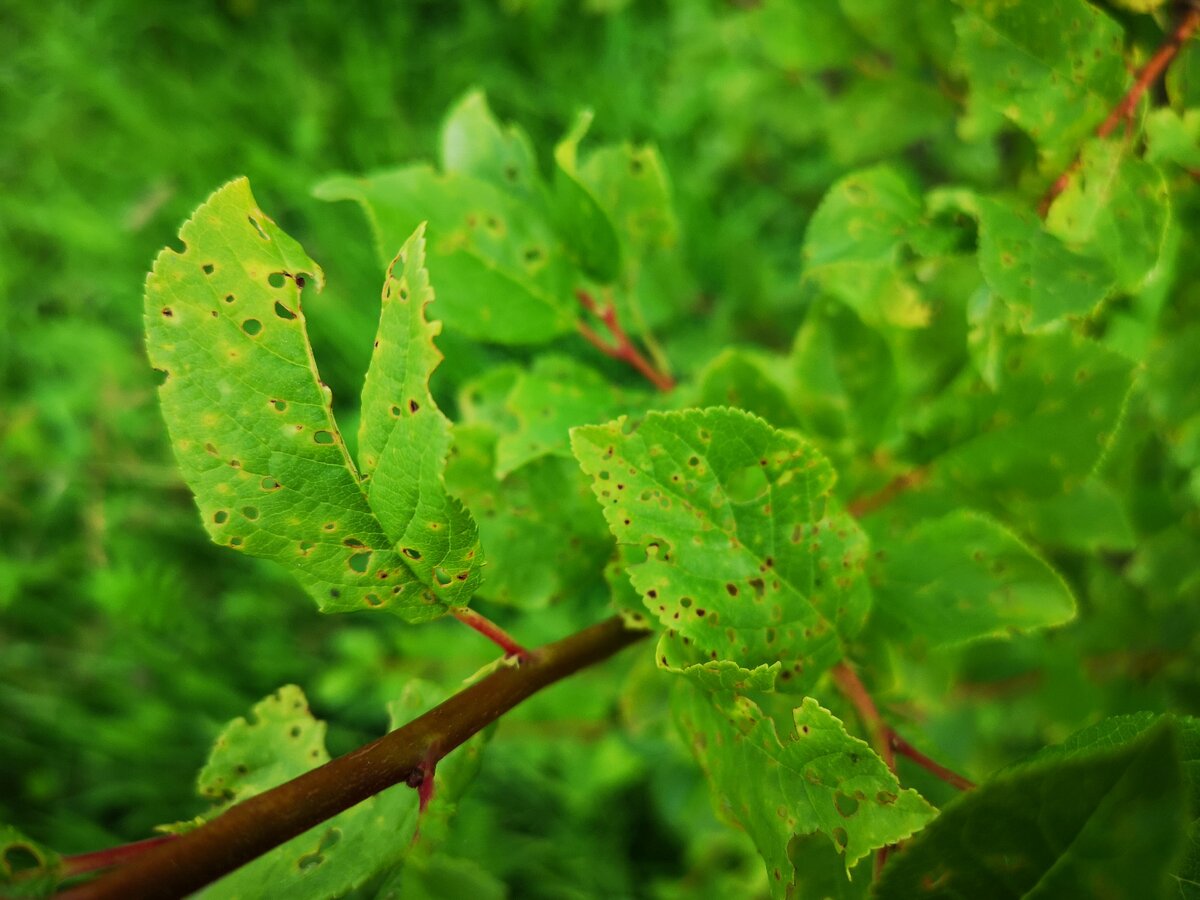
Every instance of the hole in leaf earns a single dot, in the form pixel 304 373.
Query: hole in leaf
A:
pixel 372 600
pixel 208 268
pixel 160 377
pixel 235 542
pixel 19 858
pixel 746 484
pixel 250 512
pixel 269 484
pixel 220 517
pixel 279 405
pixel 276 279
pixel 359 562
pixel 323 437
pixel 252 327
pixel 413 406
pixel 395 411
pixel 442 576
pixel 229 298
pixel 253 221
pixel 283 312
pixel 168 312
pixel 411 553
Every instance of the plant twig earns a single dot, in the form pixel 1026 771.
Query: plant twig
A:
pixel 491 631
pixel 904 748
pixel 885 740
pixel 862 506
pixel 855 691
pixel 1189 22
pixel 622 347
pixel 263 822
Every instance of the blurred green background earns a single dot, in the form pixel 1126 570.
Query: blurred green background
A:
pixel 127 639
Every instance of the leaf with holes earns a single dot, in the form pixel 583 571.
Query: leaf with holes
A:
pixel 732 542
pixel 814 778
pixel 280 741
pixel 1102 817
pixel 964 576
pixel 27 869
pixel 404 439
pixel 252 427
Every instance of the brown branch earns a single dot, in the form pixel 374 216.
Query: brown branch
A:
pixel 1189 22
pixel 862 506
pixel 250 829
pixel 622 347
pixel 491 631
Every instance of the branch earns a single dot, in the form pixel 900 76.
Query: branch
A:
pixel 622 347
pixel 862 506
pixel 1189 22
pixel 263 822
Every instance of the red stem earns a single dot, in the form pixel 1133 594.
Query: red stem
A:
pixel 491 631
pixel 1123 111
pixel 623 348
pixel 82 863
pixel 862 506
pixel 904 748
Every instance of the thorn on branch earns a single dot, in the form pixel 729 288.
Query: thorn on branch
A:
pixel 621 347
pixel 1123 112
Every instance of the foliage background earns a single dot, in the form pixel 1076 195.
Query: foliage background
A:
pixel 127 640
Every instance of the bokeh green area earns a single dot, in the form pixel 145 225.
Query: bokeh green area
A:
pixel 127 640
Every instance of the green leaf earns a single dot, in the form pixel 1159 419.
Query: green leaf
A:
pixel 744 379
pixel 581 220
pixel 404 439
pixel 1100 817
pixel 27 869
pixel 962 577
pixel 281 741
pixel 1033 269
pixel 853 246
pixel 474 143
pixel 1054 68
pixel 814 778
pixel 554 395
pixel 1173 137
pixel 249 417
pixel 497 261
pixel 730 539
pixel 546 538
pixel 1046 426
pixel 844 376
pixel 630 184
pixel 1115 208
